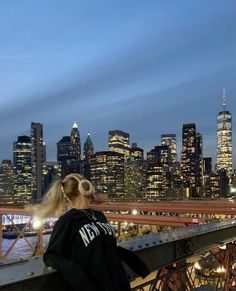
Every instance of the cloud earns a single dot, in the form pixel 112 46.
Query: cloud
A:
pixel 12 57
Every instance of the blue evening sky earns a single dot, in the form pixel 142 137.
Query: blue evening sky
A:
pixel 142 66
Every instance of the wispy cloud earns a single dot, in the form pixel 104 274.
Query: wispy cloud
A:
pixel 27 56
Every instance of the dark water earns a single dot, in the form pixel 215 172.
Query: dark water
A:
pixel 21 248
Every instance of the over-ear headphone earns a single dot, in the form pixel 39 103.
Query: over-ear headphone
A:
pixel 81 181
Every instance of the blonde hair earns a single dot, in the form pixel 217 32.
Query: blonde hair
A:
pixel 53 202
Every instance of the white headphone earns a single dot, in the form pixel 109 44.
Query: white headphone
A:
pixel 81 180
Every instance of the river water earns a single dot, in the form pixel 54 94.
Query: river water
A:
pixel 21 248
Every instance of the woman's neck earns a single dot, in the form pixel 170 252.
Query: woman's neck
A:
pixel 80 203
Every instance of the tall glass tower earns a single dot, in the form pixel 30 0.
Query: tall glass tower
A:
pixel 75 145
pixel 224 139
pixel 38 158
pixel 22 169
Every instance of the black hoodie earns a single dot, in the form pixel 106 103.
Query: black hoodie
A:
pixel 85 252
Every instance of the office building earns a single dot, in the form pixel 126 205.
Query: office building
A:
pixel 22 169
pixel 207 165
pixel 38 158
pixel 224 140
pixel 160 154
pixel 155 180
pixel 191 160
pixel 136 153
pixel 170 141
pixel 118 141
pixel 75 145
pixel 63 156
pixel 6 182
pixel 135 178
pixel 107 173
pixel 88 152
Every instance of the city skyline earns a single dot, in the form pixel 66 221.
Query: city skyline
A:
pixel 112 66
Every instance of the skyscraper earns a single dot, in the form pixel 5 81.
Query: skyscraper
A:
pixel 107 173
pixel 224 140
pixel 170 141
pixel 63 155
pixel 191 159
pixel 135 178
pixel 22 169
pixel 136 153
pixel 6 182
pixel 75 145
pixel 118 142
pixel 38 158
pixel 155 180
pixel 88 152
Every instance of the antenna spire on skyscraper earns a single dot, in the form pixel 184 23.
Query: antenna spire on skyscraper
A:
pixel 223 99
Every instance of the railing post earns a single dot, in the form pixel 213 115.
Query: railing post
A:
pixel 1 250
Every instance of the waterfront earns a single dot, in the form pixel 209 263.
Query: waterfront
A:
pixel 21 248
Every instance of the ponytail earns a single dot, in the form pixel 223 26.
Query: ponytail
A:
pixel 53 202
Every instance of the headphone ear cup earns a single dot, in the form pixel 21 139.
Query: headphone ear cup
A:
pixel 86 192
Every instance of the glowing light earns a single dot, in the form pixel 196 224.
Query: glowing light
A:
pixel 220 270
pixel 197 266
pixel 222 246
pixel 232 189
pixel 37 222
pixel 134 212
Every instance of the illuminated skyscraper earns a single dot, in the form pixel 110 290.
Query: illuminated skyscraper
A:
pixel 88 152
pixel 191 159
pixel 135 178
pixel 38 158
pixel 170 141
pixel 63 156
pixel 161 155
pixel 75 146
pixel 107 173
pixel 224 140
pixel 6 182
pixel 118 142
pixel 136 153
pixel 22 169
pixel 156 180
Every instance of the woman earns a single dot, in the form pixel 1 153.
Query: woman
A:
pixel 83 246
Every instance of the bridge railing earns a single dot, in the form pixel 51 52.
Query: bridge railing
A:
pixel 15 231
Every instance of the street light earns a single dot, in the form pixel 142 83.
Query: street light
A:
pixel 134 212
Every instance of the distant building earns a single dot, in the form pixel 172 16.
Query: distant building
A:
pixel 75 145
pixel 50 172
pixel 191 160
pixel 155 180
pixel 207 165
pixel 75 150
pixel 88 152
pixel 170 141
pixel 107 173
pixel 136 153
pixel 224 140
pixel 160 154
pixel 22 169
pixel 38 158
pixel 135 178
pixel 118 141
pixel 6 182
pixel 63 156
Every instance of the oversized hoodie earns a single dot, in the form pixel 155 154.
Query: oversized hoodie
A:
pixel 84 250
